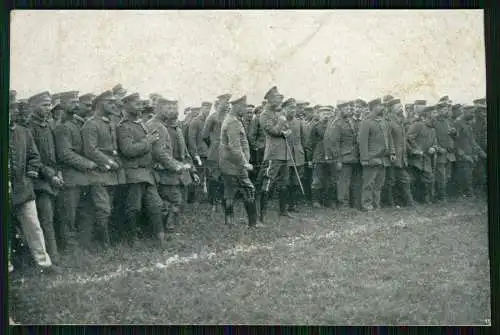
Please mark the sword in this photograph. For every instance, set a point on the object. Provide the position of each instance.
(295, 167)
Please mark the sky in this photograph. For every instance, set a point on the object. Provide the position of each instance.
(321, 56)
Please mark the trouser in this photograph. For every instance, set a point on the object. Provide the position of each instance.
(464, 177)
(423, 181)
(344, 180)
(214, 181)
(294, 189)
(67, 203)
(256, 160)
(324, 184)
(202, 188)
(137, 196)
(307, 181)
(356, 185)
(242, 185)
(442, 173)
(27, 216)
(481, 175)
(397, 178)
(273, 172)
(172, 196)
(99, 201)
(373, 181)
(118, 211)
(45, 210)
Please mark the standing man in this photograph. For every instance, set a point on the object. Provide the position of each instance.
(341, 147)
(481, 134)
(99, 145)
(73, 163)
(135, 147)
(169, 170)
(50, 180)
(376, 151)
(234, 162)
(211, 136)
(197, 147)
(359, 112)
(308, 124)
(24, 166)
(56, 113)
(257, 141)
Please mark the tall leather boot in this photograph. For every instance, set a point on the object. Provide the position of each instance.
(132, 229)
(104, 230)
(251, 209)
(263, 206)
(441, 192)
(316, 198)
(212, 189)
(283, 203)
(51, 245)
(292, 204)
(390, 196)
(427, 190)
(331, 198)
(228, 213)
(408, 197)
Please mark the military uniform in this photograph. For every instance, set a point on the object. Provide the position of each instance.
(257, 141)
(375, 149)
(233, 159)
(308, 124)
(481, 134)
(136, 156)
(299, 152)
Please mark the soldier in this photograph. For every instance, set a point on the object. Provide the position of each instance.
(481, 132)
(197, 147)
(24, 166)
(234, 162)
(135, 147)
(87, 103)
(100, 146)
(257, 141)
(360, 106)
(467, 151)
(147, 111)
(376, 151)
(322, 188)
(74, 165)
(445, 155)
(422, 145)
(119, 93)
(191, 188)
(397, 174)
(301, 109)
(56, 113)
(247, 118)
(168, 169)
(341, 147)
(297, 147)
(211, 136)
(276, 157)
(308, 123)
(50, 180)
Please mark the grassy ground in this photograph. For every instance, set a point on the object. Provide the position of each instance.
(427, 265)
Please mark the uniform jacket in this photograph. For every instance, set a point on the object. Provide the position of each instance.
(135, 151)
(69, 151)
(23, 157)
(211, 133)
(273, 126)
(465, 141)
(444, 141)
(196, 145)
(399, 138)
(297, 141)
(256, 136)
(421, 137)
(44, 140)
(234, 147)
(316, 141)
(180, 153)
(481, 132)
(375, 144)
(99, 145)
(340, 141)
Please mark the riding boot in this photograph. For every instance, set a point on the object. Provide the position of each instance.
(293, 197)
(51, 246)
(316, 198)
(390, 197)
(283, 202)
(103, 227)
(441, 192)
(427, 190)
(251, 210)
(331, 198)
(227, 213)
(263, 206)
(408, 197)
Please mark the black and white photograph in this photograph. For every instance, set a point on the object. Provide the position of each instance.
(248, 167)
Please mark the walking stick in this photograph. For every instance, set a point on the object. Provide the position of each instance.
(295, 167)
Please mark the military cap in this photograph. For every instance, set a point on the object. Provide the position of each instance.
(40, 98)
(420, 102)
(360, 102)
(154, 96)
(224, 97)
(442, 103)
(325, 109)
(387, 98)
(309, 109)
(206, 104)
(67, 97)
(90, 97)
(56, 99)
(119, 90)
(166, 102)
(427, 109)
(12, 95)
(445, 99)
(251, 106)
(131, 98)
(481, 101)
(374, 103)
(240, 101)
(302, 103)
(393, 102)
(456, 106)
(273, 91)
(408, 106)
(288, 102)
(24, 107)
(342, 103)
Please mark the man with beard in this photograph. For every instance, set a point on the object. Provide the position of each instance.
(180, 153)
(257, 141)
(211, 136)
(341, 147)
(197, 147)
(422, 144)
(235, 163)
(445, 155)
(468, 151)
(397, 174)
(50, 180)
(323, 179)
(297, 149)
(74, 165)
(99, 145)
(376, 150)
(169, 170)
(275, 168)
(24, 166)
(135, 147)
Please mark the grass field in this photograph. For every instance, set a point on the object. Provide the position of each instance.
(426, 266)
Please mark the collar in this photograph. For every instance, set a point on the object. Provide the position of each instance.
(39, 122)
(78, 118)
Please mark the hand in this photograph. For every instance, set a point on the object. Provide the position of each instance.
(482, 154)
(32, 174)
(418, 152)
(93, 166)
(339, 166)
(187, 166)
(57, 182)
(248, 166)
(113, 164)
(470, 159)
(196, 178)
(364, 163)
(432, 151)
(198, 160)
(310, 164)
(393, 158)
(286, 133)
(441, 150)
(282, 118)
(152, 138)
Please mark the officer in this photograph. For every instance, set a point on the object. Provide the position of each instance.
(234, 162)
(100, 146)
(211, 136)
(376, 150)
(50, 179)
(135, 147)
(73, 163)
